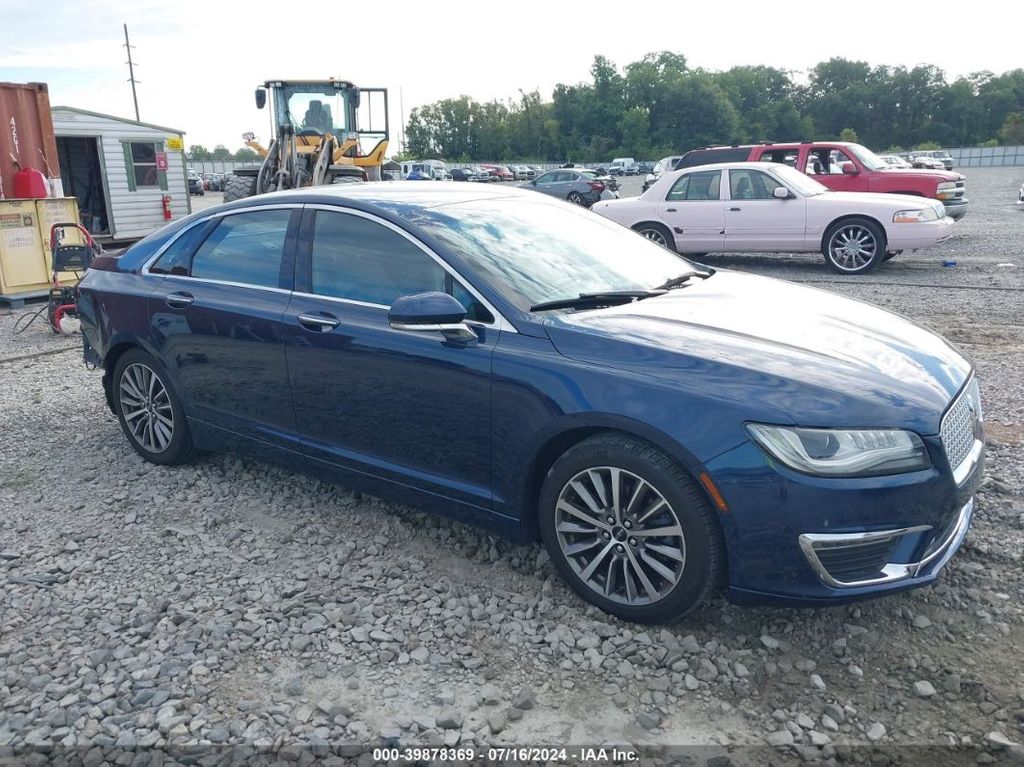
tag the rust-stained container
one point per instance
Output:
(26, 132)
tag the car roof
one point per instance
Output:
(417, 194)
(730, 166)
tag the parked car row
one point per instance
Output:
(580, 186)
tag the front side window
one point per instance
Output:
(361, 260)
(696, 186)
(245, 248)
(826, 162)
(751, 185)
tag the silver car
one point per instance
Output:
(577, 185)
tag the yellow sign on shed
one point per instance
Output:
(175, 144)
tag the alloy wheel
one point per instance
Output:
(655, 236)
(576, 198)
(620, 536)
(852, 247)
(146, 407)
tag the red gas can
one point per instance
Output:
(29, 184)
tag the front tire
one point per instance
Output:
(656, 233)
(239, 187)
(149, 410)
(854, 246)
(659, 557)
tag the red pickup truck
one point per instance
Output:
(845, 167)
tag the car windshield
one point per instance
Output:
(867, 158)
(537, 251)
(794, 179)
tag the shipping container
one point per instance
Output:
(26, 133)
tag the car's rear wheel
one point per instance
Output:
(657, 234)
(629, 530)
(149, 410)
(576, 199)
(854, 246)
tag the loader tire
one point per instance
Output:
(237, 187)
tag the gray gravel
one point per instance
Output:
(231, 603)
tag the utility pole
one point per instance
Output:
(401, 109)
(131, 72)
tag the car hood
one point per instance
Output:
(787, 352)
(900, 201)
(941, 175)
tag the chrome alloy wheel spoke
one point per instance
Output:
(620, 535)
(146, 408)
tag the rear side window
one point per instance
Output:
(176, 258)
(245, 248)
(708, 156)
(704, 185)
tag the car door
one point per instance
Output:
(694, 211)
(215, 320)
(757, 220)
(408, 407)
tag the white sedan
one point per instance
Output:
(770, 207)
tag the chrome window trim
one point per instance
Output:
(199, 222)
(500, 322)
(894, 571)
(207, 281)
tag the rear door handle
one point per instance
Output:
(734, 210)
(179, 300)
(320, 323)
(670, 210)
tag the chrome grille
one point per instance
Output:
(959, 425)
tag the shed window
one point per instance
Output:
(140, 162)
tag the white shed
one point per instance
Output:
(120, 170)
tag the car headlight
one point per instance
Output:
(843, 452)
(946, 190)
(915, 216)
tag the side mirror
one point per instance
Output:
(261, 98)
(849, 169)
(431, 312)
(781, 193)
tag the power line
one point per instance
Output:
(131, 72)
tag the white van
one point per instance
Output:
(622, 166)
(434, 168)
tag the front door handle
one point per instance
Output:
(670, 210)
(321, 323)
(179, 300)
(734, 210)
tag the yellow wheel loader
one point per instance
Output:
(320, 129)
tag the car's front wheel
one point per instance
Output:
(629, 530)
(854, 246)
(149, 410)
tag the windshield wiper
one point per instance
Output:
(596, 300)
(682, 279)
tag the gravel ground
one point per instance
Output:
(233, 605)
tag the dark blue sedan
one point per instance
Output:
(520, 363)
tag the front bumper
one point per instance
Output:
(919, 235)
(785, 531)
(957, 209)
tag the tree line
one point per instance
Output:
(198, 152)
(659, 106)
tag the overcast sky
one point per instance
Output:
(198, 62)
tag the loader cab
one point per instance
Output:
(314, 108)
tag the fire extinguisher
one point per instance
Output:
(165, 201)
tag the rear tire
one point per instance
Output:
(853, 246)
(660, 557)
(149, 410)
(576, 199)
(656, 233)
(239, 187)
